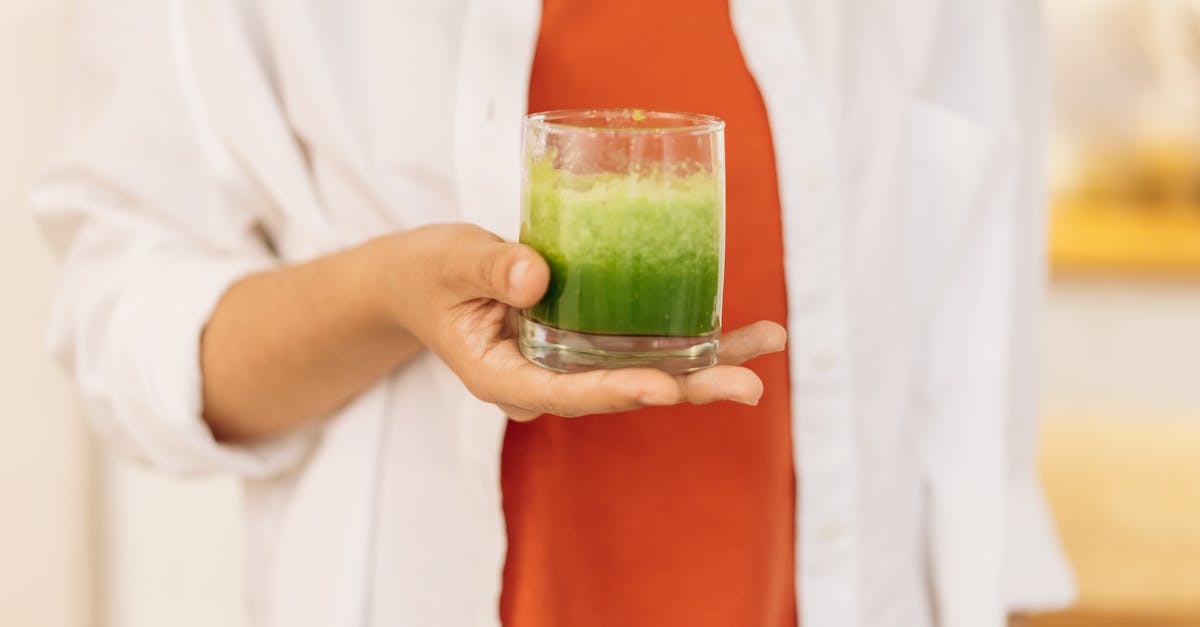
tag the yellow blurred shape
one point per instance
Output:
(1130, 207)
(1126, 496)
(1117, 237)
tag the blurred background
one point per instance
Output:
(89, 541)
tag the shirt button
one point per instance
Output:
(767, 13)
(824, 361)
(832, 532)
(816, 178)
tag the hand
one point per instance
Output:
(460, 283)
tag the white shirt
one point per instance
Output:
(207, 140)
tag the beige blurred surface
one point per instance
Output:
(46, 548)
(1120, 454)
(1126, 494)
(1121, 449)
(86, 540)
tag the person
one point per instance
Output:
(287, 254)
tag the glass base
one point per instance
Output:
(572, 351)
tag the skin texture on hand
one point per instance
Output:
(292, 345)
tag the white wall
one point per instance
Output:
(45, 543)
(85, 540)
(1123, 349)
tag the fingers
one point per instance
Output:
(599, 391)
(481, 265)
(750, 341)
(525, 391)
(506, 378)
(722, 383)
(609, 391)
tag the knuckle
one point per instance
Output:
(488, 271)
(440, 248)
(687, 391)
(557, 408)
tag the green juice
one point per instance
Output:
(629, 254)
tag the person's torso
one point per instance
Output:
(359, 118)
(680, 515)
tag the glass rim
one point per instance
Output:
(695, 123)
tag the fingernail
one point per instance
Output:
(516, 272)
(753, 402)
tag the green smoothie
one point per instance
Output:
(629, 254)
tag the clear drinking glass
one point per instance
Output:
(628, 208)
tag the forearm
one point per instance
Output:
(291, 345)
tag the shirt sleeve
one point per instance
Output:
(154, 221)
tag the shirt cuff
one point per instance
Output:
(160, 322)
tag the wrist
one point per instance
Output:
(380, 289)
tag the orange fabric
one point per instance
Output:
(679, 516)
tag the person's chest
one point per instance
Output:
(398, 108)
(372, 92)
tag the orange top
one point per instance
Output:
(678, 516)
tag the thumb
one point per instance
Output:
(514, 274)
